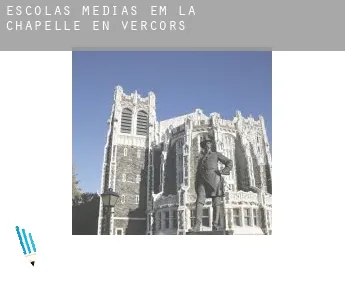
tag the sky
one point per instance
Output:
(183, 81)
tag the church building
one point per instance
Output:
(151, 164)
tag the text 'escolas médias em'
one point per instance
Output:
(35, 18)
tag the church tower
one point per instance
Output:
(127, 165)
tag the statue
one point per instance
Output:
(209, 182)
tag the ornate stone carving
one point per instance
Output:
(263, 177)
(127, 97)
(186, 149)
(174, 122)
(142, 99)
(181, 219)
(241, 196)
(226, 123)
(268, 199)
(152, 99)
(215, 117)
(141, 107)
(166, 201)
(191, 198)
(181, 193)
(131, 140)
(119, 89)
(135, 97)
(118, 92)
(127, 104)
(188, 122)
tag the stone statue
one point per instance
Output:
(209, 182)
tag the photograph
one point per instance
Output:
(163, 111)
(172, 143)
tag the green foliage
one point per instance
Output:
(85, 207)
(76, 190)
(85, 215)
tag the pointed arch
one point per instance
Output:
(126, 120)
(142, 122)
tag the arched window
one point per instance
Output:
(142, 123)
(126, 120)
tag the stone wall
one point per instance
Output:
(194, 157)
(170, 186)
(157, 169)
(132, 166)
(256, 169)
(268, 179)
(241, 166)
(131, 227)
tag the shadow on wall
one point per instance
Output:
(135, 227)
(138, 227)
(170, 185)
(85, 216)
(241, 166)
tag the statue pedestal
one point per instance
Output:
(223, 232)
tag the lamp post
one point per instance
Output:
(109, 199)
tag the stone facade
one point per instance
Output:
(152, 166)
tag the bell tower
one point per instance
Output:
(127, 165)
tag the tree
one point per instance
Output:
(76, 190)
(85, 207)
(85, 215)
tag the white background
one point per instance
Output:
(308, 169)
